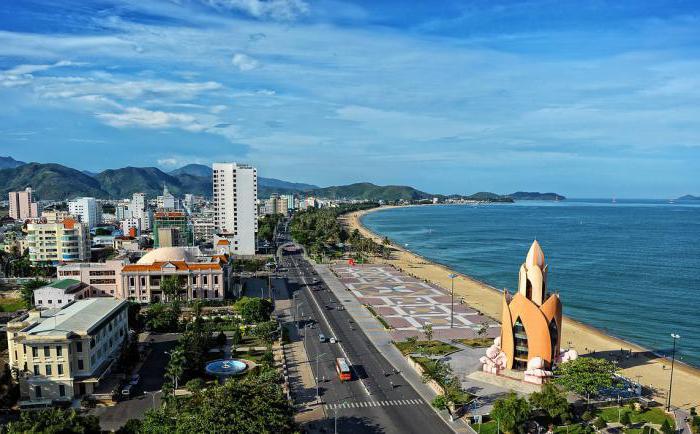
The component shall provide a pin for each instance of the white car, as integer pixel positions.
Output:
(333, 340)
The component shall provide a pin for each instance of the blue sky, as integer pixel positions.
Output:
(589, 99)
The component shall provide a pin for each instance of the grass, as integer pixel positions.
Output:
(490, 427)
(428, 348)
(652, 415)
(11, 304)
(476, 342)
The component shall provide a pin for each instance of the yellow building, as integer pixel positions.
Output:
(531, 320)
(65, 241)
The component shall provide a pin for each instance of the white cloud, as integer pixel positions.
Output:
(139, 117)
(21, 75)
(277, 10)
(244, 62)
(172, 162)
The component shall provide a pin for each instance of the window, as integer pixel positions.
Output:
(204, 278)
(49, 301)
(48, 369)
(61, 390)
(59, 351)
(37, 391)
(80, 364)
(60, 369)
(47, 352)
(35, 352)
(36, 369)
(216, 280)
(79, 347)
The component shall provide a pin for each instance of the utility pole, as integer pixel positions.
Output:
(452, 293)
(673, 359)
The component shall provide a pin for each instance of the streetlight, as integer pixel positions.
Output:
(318, 395)
(452, 310)
(673, 359)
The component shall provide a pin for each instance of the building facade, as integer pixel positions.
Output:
(22, 206)
(532, 318)
(235, 192)
(62, 354)
(60, 293)
(139, 209)
(103, 278)
(203, 225)
(86, 210)
(173, 227)
(205, 278)
(58, 242)
(166, 201)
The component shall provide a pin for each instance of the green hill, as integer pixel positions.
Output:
(150, 180)
(368, 191)
(10, 163)
(535, 195)
(49, 181)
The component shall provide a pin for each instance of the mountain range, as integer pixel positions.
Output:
(52, 181)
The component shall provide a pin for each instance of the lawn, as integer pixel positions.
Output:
(490, 427)
(653, 415)
(428, 348)
(476, 342)
(11, 304)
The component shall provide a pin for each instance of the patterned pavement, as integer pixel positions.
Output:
(407, 303)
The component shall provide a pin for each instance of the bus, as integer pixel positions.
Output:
(343, 369)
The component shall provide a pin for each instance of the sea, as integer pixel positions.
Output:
(630, 267)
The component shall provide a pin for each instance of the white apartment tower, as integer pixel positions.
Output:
(85, 209)
(139, 209)
(235, 211)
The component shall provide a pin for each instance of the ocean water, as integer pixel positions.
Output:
(630, 268)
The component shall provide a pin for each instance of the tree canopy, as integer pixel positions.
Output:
(511, 412)
(585, 375)
(551, 400)
(53, 421)
(253, 309)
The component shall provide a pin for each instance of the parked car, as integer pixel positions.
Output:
(322, 337)
(333, 340)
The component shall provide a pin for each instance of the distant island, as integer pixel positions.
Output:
(535, 195)
(689, 197)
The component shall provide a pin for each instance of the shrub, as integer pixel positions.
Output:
(440, 402)
(587, 416)
(625, 419)
(600, 423)
(666, 427)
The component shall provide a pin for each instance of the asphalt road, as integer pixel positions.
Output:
(377, 400)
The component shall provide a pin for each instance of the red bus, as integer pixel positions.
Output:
(343, 369)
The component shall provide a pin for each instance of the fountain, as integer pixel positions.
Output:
(225, 368)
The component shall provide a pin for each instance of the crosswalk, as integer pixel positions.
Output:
(367, 404)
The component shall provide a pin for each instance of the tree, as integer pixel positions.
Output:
(132, 426)
(436, 370)
(250, 405)
(511, 413)
(171, 287)
(254, 310)
(625, 419)
(27, 290)
(9, 389)
(221, 340)
(666, 427)
(176, 366)
(162, 317)
(266, 331)
(551, 400)
(428, 331)
(585, 375)
(482, 330)
(600, 423)
(135, 316)
(53, 421)
(195, 385)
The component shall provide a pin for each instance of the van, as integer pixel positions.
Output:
(322, 337)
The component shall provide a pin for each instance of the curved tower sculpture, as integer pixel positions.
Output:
(531, 319)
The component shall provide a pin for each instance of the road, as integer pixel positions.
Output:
(377, 399)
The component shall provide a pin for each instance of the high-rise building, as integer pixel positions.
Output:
(21, 205)
(174, 226)
(166, 201)
(235, 210)
(86, 210)
(58, 242)
(290, 201)
(139, 209)
(203, 225)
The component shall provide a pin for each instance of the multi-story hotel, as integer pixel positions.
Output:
(58, 242)
(171, 229)
(235, 210)
(203, 225)
(21, 205)
(86, 210)
(62, 354)
(200, 277)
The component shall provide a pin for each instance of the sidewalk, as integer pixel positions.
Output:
(381, 339)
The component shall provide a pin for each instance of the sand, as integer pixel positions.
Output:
(641, 365)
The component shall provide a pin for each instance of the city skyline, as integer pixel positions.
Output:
(594, 100)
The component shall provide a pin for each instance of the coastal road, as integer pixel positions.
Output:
(377, 399)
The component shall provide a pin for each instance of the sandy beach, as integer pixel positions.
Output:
(642, 364)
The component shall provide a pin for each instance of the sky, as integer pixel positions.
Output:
(585, 98)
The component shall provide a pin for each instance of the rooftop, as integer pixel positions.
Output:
(78, 317)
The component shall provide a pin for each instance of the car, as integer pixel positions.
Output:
(328, 307)
(322, 337)
(333, 340)
(341, 307)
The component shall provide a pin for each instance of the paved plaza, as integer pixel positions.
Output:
(407, 304)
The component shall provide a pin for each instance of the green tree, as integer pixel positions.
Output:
(511, 413)
(172, 287)
(625, 419)
(220, 340)
(27, 290)
(254, 310)
(132, 426)
(162, 317)
(251, 405)
(9, 389)
(134, 312)
(428, 331)
(666, 427)
(551, 400)
(195, 385)
(600, 423)
(53, 421)
(585, 375)
(176, 366)
(436, 370)
(266, 331)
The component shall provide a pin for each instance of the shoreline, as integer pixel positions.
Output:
(649, 367)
